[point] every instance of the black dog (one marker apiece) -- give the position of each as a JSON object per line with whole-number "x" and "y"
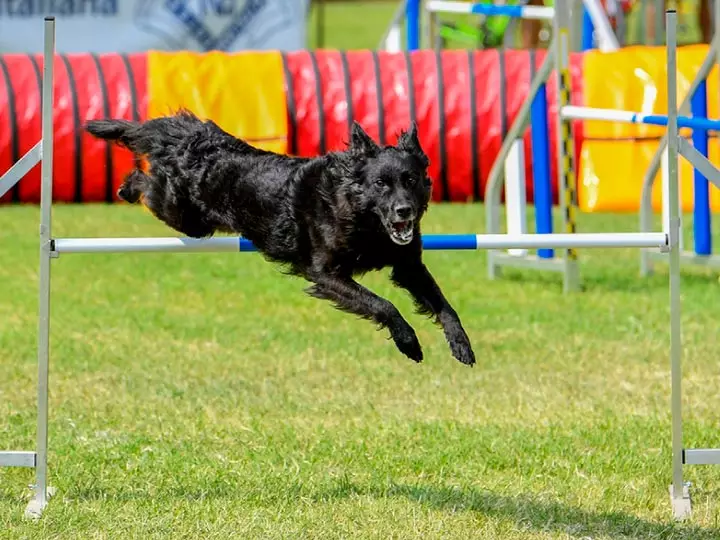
{"x": 327, "y": 218}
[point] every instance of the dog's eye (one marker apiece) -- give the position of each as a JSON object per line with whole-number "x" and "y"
{"x": 408, "y": 179}
{"x": 379, "y": 182}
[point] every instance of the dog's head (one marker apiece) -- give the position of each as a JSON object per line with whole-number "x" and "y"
{"x": 393, "y": 181}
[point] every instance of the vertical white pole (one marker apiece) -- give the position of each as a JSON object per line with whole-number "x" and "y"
{"x": 680, "y": 503}
{"x": 36, "y": 506}
{"x": 515, "y": 196}
{"x": 666, "y": 194}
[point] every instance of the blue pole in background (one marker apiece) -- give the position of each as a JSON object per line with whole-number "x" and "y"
{"x": 587, "y": 30}
{"x": 701, "y": 200}
{"x": 412, "y": 21}
{"x": 542, "y": 188}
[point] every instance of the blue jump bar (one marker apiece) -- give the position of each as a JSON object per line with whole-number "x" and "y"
{"x": 491, "y": 9}
{"x": 432, "y": 242}
{"x": 683, "y": 121}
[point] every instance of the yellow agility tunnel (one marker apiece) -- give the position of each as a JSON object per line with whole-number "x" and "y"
{"x": 615, "y": 156}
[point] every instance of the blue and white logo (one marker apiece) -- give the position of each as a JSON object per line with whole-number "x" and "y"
{"x": 219, "y": 24}
{"x": 126, "y": 26}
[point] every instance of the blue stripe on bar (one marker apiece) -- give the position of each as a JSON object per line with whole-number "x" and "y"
{"x": 683, "y": 121}
{"x": 246, "y": 245}
{"x": 430, "y": 242}
{"x": 449, "y": 241}
{"x": 490, "y": 9}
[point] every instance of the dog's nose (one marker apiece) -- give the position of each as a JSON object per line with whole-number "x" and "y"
{"x": 403, "y": 211}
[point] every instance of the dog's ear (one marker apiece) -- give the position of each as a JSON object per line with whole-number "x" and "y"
{"x": 361, "y": 142}
{"x": 409, "y": 142}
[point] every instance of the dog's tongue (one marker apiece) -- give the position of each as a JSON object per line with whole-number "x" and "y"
{"x": 400, "y": 226}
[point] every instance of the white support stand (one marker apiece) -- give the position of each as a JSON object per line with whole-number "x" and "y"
{"x": 666, "y": 197}
{"x": 515, "y": 195}
{"x": 43, "y": 153}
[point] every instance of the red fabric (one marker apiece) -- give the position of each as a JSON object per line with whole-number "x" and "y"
{"x": 427, "y": 115}
{"x": 334, "y": 99}
{"x": 89, "y": 98}
{"x": 395, "y": 102}
{"x": 456, "y": 75}
{"x": 306, "y": 110}
{"x": 364, "y": 92}
{"x": 394, "y": 80}
{"x": 120, "y": 104}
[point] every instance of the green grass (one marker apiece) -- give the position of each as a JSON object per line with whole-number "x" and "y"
{"x": 352, "y": 25}
{"x": 205, "y": 396}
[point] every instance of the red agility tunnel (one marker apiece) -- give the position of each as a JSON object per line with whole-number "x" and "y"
{"x": 86, "y": 87}
{"x": 462, "y": 101}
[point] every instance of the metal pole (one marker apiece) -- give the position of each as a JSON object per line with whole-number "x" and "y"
{"x": 680, "y": 509}
{"x": 493, "y": 188}
{"x": 36, "y": 506}
{"x": 566, "y": 147}
{"x": 433, "y": 30}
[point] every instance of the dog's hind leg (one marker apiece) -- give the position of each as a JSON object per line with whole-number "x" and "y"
{"x": 133, "y": 186}
{"x": 429, "y": 299}
{"x": 351, "y": 297}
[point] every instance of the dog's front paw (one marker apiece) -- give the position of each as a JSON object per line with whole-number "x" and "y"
{"x": 461, "y": 348}
{"x": 407, "y": 342}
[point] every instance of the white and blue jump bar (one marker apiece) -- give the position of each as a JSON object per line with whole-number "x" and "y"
{"x": 611, "y": 115}
{"x": 542, "y": 13}
{"x": 702, "y": 233}
{"x": 432, "y": 242}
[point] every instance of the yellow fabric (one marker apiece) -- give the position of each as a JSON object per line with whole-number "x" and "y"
{"x": 634, "y": 79}
{"x": 612, "y": 173}
{"x": 244, "y": 93}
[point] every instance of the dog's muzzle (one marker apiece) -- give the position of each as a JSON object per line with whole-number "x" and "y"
{"x": 401, "y": 231}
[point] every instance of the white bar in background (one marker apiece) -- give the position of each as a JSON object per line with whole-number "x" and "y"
{"x": 23, "y": 166}
{"x": 515, "y": 193}
{"x": 17, "y": 459}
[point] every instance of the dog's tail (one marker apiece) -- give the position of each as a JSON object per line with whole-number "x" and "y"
{"x": 140, "y": 138}
{"x": 120, "y": 131}
{"x": 152, "y": 137}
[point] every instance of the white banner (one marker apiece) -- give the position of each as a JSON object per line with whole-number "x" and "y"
{"x": 126, "y": 26}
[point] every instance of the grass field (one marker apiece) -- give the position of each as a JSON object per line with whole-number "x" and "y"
{"x": 205, "y": 396}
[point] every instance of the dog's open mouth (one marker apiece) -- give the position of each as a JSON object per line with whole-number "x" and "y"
{"x": 401, "y": 232}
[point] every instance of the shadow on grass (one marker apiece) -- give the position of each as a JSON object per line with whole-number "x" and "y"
{"x": 530, "y": 514}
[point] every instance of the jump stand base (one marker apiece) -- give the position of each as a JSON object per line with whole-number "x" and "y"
{"x": 569, "y": 269}
{"x": 37, "y": 504}
{"x": 687, "y": 258}
{"x": 526, "y": 261}
{"x": 681, "y": 506}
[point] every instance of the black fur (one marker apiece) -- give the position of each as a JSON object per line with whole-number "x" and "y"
{"x": 327, "y": 219}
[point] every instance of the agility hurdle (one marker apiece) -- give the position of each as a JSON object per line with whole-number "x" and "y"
{"x": 51, "y": 248}
{"x": 695, "y": 103}
{"x": 675, "y": 146}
